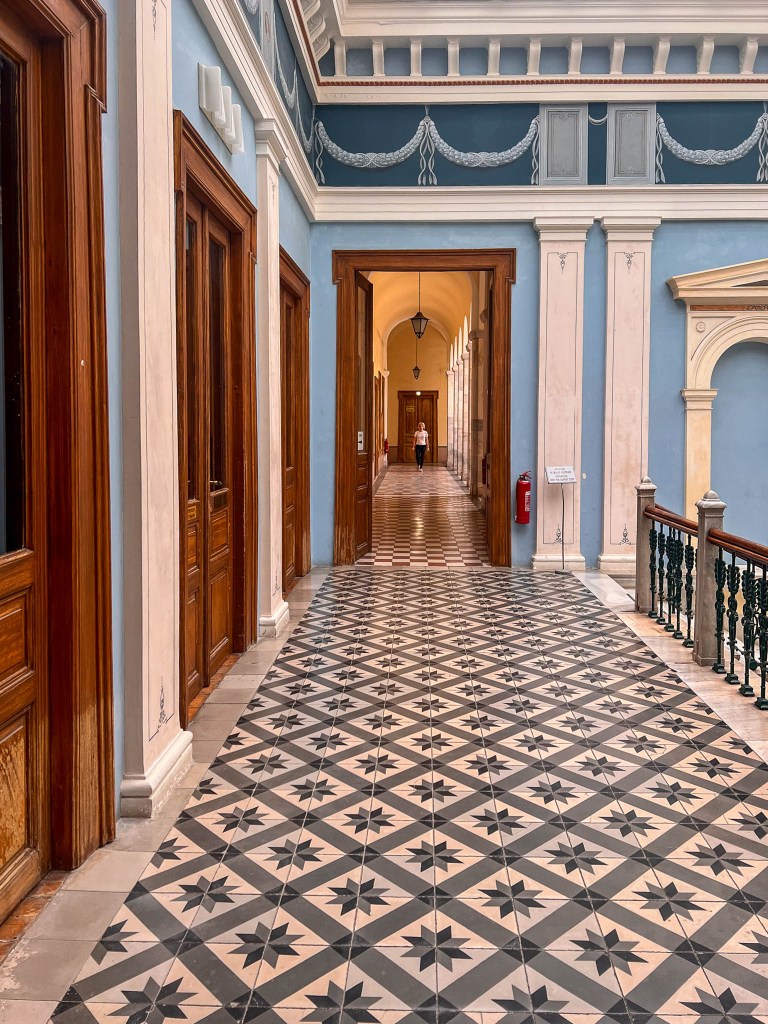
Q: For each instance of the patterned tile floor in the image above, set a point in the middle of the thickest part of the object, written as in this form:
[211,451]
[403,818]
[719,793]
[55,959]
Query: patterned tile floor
[466,797]
[425,519]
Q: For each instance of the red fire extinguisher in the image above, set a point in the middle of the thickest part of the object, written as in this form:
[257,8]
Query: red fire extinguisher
[386,446]
[523,498]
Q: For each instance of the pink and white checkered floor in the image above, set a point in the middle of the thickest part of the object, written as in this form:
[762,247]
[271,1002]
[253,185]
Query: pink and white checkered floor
[427,520]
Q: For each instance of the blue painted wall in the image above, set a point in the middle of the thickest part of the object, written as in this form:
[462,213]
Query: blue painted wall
[192,46]
[593,396]
[740,439]
[683,248]
[294,227]
[525,304]
[110,157]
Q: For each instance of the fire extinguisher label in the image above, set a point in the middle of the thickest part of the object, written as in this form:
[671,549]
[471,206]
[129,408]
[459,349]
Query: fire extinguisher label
[528,502]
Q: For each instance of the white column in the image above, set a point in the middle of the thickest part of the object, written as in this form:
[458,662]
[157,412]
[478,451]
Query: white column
[698,444]
[456,416]
[459,412]
[561,328]
[449,439]
[385,400]
[466,370]
[627,359]
[157,751]
[273,610]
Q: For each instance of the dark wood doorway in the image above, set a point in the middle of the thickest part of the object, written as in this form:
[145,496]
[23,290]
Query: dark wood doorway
[216,237]
[362,403]
[294,374]
[353,499]
[56,784]
[414,407]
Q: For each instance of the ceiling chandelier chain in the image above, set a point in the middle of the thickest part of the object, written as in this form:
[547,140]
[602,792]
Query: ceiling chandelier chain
[419,324]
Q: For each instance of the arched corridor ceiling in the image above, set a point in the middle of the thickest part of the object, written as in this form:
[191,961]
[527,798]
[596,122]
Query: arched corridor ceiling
[446,299]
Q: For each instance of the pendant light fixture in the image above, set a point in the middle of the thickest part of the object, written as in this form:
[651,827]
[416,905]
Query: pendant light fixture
[419,324]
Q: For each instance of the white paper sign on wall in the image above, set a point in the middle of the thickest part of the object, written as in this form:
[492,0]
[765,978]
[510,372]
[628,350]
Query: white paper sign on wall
[360,442]
[560,474]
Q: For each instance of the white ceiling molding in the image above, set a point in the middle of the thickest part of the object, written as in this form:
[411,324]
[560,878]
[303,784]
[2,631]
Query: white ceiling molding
[524,203]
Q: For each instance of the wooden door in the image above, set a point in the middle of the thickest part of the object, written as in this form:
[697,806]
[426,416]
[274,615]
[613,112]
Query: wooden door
[415,408]
[289,321]
[364,418]
[207,420]
[25,839]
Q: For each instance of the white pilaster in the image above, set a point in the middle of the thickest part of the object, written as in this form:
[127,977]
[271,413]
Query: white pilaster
[156,749]
[561,328]
[273,610]
[628,346]
[466,426]
[698,443]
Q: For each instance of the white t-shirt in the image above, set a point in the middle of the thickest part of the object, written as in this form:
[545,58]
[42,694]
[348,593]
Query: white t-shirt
[421,437]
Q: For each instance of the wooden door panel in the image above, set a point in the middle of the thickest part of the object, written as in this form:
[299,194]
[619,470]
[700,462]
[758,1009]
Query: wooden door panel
[288,359]
[219,618]
[25,830]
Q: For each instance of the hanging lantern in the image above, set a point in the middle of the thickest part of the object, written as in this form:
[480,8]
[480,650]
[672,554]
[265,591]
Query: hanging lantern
[416,370]
[418,320]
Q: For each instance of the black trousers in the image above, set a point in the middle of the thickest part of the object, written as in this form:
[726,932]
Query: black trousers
[420,452]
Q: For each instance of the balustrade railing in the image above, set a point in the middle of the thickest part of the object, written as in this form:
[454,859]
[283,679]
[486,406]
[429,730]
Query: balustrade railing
[706,587]
[671,540]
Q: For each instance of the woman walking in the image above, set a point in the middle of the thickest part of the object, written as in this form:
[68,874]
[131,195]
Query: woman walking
[420,445]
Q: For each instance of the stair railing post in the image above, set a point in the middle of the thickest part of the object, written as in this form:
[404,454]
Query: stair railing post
[711,516]
[646,495]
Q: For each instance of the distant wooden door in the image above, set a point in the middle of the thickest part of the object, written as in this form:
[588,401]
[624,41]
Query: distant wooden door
[413,409]
[294,376]
[25,837]
[208,425]
[289,315]
[365,440]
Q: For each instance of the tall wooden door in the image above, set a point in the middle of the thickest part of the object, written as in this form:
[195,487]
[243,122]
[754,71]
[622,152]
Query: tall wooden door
[209,445]
[25,840]
[365,439]
[289,321]
[415,408]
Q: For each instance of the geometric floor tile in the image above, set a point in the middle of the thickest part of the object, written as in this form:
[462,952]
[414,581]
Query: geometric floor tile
[460,795]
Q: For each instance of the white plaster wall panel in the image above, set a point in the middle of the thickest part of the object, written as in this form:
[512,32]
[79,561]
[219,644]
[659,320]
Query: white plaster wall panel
[564,145]
[631,144]
[561,324]
[628,311]
[156,749]
[273,610]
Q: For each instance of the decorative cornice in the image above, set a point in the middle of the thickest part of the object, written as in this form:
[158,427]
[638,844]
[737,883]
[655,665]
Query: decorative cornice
[629,229]
[572,206]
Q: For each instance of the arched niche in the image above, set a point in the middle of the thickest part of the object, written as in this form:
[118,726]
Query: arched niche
[724,307]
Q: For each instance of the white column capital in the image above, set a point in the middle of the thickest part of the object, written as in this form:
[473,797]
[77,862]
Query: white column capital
[384,373]
[563,229]
[268,142]
[630,229]
[699,399]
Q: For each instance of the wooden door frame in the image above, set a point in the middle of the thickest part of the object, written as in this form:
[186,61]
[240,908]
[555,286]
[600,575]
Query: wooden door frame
[197,169]
[295,281]
[500,263]
[433,435]
[66,301]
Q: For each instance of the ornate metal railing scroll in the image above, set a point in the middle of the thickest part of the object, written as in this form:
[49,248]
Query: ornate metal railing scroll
[714,157]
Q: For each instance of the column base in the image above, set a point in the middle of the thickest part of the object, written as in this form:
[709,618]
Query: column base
[276,623]
[142,796]
[544,562]
[621,565]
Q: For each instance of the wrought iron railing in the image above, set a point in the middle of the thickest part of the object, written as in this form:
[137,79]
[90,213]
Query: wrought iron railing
[671,565]
[741,568]
[706,587]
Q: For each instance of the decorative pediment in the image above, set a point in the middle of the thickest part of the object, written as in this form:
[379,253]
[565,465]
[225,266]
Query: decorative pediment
[743,284]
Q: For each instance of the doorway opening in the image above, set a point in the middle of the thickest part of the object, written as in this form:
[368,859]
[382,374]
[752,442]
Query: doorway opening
[453,376]
[216,242]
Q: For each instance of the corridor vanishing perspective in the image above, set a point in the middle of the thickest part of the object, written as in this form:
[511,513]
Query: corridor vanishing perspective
[425,520]
[460,796]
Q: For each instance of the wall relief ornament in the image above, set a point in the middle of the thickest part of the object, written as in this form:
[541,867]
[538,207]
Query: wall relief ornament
[714,157]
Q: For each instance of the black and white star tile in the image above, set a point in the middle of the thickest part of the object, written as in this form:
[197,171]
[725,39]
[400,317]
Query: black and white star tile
[459,797]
